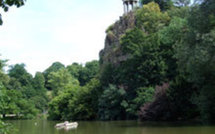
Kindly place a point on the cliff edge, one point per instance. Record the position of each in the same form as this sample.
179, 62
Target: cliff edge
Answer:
112, 54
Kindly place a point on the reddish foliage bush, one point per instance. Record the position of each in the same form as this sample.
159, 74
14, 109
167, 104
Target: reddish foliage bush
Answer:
159, 108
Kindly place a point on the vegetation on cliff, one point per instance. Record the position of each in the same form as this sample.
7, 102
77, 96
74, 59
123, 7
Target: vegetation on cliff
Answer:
170, 51
157, 64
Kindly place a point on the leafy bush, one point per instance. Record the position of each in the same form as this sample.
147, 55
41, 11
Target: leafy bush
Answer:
111, 104
77, 103
6, 128
143, 95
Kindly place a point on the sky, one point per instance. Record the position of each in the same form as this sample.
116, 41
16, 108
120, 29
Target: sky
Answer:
45, 31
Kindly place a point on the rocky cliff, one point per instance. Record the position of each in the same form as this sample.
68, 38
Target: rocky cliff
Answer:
112, 54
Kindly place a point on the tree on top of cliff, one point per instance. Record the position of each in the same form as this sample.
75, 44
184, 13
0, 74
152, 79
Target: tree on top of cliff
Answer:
151, 19
164, 4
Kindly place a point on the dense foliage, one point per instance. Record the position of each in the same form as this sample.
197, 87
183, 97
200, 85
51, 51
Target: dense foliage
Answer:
195, 54
111, 103
6, 128
19, 97
84, 73
164, 4
168, 75
25, 96
175, 47
77, 103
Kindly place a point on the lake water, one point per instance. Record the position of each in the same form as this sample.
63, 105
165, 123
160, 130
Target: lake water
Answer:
114, 127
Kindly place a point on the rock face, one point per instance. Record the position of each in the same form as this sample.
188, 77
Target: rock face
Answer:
112, 54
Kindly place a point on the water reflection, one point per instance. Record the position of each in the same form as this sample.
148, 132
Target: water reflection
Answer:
114, 127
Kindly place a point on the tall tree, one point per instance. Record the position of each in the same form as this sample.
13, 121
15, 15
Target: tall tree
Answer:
53, 68
111, 102
39, 81
40, 99
195, 54
84, 73
61, 80
89, 72
75, 70
19, 72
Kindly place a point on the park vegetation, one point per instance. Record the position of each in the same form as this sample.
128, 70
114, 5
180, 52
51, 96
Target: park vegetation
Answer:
169, 75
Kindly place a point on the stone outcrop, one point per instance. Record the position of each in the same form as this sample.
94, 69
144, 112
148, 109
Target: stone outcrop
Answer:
112, 54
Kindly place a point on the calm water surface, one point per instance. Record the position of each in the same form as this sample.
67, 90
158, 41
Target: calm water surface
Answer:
117, 127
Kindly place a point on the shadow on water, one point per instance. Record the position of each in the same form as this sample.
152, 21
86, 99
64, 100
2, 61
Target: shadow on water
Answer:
162, 124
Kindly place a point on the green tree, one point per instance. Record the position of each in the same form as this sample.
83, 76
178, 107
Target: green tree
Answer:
144, 95
195, 54
148, 61
180, 94
164, 4
19, 72
5, 4
75, 70
58, 107
89, 71
39, 81
61, 80
76, 103
53, 68
41, 99
14, 84
84, 105
84, 73
112, 104
108, 74
12, 102
8, 100
151, 19
146, 66
6, 128
169, 36
27, 108
196, 60
179, 12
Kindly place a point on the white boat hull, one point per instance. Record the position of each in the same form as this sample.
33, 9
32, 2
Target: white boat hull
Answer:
66, 125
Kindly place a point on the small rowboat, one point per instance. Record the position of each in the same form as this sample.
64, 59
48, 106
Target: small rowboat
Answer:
71, 125
66, 125
61, 124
